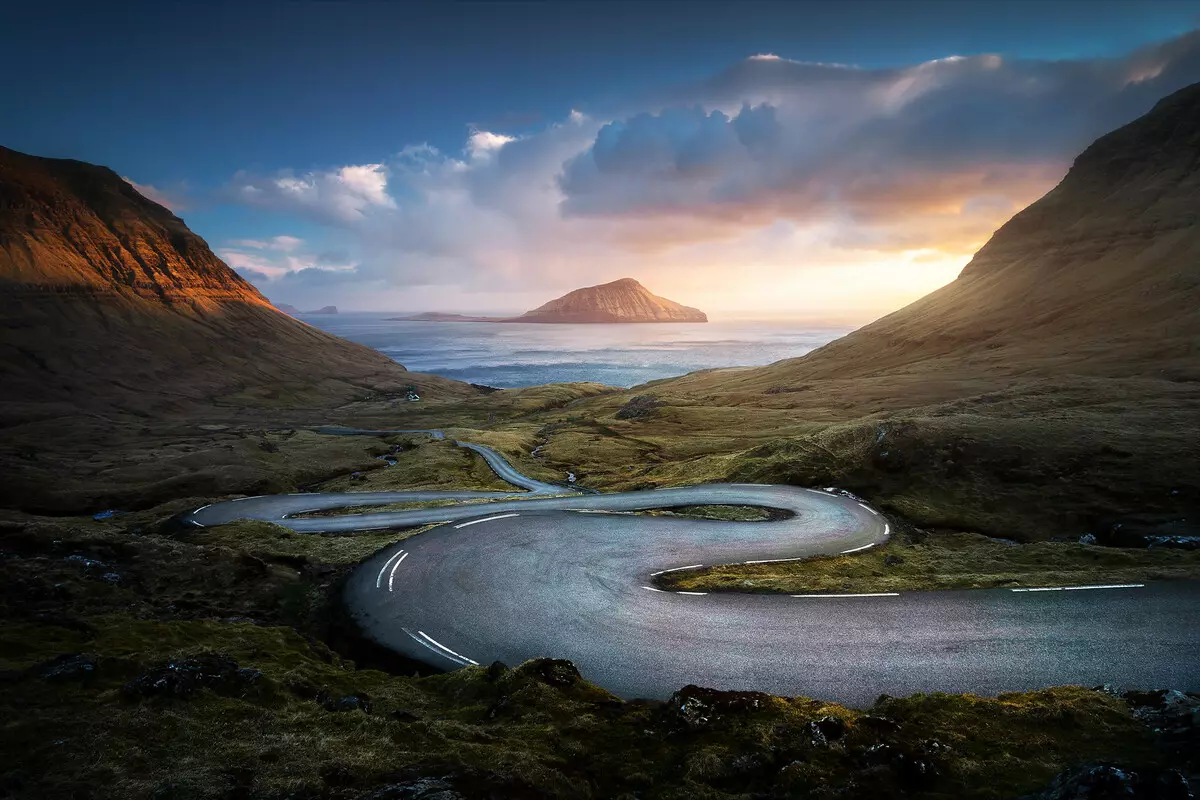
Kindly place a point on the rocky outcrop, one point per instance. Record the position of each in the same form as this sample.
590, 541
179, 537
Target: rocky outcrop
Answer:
185, 677
639, 407
1111, 782
625, 300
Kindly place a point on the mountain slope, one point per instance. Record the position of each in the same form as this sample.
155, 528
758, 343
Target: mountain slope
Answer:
108, 301
1053, 389
1099, 277
623, 300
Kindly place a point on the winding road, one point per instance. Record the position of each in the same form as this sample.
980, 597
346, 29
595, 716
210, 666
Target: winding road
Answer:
573, 577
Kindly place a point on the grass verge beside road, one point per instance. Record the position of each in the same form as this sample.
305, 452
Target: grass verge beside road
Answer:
944, 561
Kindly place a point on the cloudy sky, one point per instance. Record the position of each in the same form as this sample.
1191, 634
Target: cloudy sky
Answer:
809, 160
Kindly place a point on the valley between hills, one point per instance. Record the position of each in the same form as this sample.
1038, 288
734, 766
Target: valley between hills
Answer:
1029, 425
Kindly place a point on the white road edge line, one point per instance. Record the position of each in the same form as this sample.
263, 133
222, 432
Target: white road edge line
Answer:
485, 519
869, 594
751, 484
447, 649
1108, 586
383, 569
868, 508
1082, 588
201, 508
776, 560
392, 574
857, 549
462, 662
676, 569
652, 589
694, 594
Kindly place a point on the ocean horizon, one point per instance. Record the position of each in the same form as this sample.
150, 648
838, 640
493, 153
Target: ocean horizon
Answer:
511, 355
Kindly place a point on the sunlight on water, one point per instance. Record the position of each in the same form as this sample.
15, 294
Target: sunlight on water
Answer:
508, 355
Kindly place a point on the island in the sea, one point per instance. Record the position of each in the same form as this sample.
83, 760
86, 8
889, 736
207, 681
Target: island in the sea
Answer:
623, 300
293, 311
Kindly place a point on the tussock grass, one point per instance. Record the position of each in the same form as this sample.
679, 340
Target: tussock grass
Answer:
722, 512
421, 463
497, 729
271, 542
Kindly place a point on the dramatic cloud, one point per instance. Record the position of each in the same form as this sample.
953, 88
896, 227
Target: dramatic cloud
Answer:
345, 195
768, 174
929, 145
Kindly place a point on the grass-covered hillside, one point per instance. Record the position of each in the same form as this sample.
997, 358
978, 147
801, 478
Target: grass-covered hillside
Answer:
143, 660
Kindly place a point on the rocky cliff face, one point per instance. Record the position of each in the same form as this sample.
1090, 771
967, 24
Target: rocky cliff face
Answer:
70, 228
107, 301
1099, 277
624, 300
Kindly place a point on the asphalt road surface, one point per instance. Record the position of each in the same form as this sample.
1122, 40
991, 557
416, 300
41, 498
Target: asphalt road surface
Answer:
573, 577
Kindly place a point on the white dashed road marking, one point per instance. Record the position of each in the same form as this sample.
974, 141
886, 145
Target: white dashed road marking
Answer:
486, 519
440, 646
392, 574
1082, 588
869, 594
776, 560
857, 549
694, 594
462, 661
652, 589
386, 564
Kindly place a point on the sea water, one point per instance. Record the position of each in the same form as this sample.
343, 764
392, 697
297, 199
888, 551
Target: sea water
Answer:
506, 355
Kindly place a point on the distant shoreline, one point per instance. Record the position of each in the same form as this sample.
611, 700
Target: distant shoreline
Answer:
440, 317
